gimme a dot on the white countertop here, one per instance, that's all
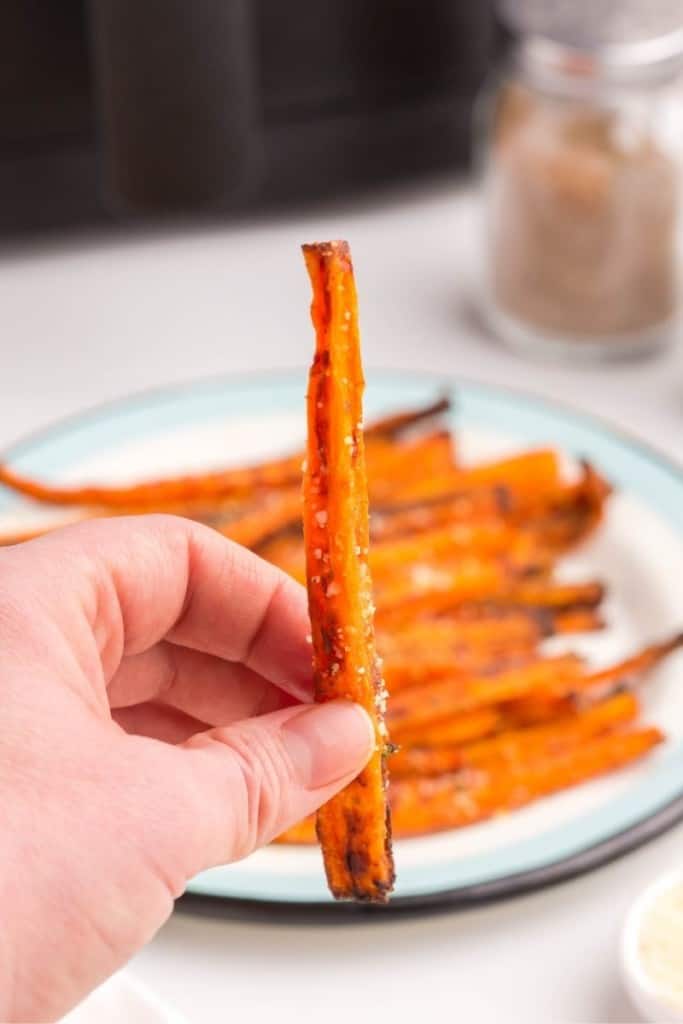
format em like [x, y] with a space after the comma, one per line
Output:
[96, 319]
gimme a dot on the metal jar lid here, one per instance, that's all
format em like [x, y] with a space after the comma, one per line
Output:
[613, 36]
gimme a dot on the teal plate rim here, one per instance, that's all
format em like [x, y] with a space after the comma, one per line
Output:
[563, 852]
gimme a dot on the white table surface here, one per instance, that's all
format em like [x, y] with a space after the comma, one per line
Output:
[95, 319]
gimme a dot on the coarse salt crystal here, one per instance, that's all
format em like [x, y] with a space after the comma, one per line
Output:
[321, 517]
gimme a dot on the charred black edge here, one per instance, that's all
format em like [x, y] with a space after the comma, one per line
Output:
[396, 424]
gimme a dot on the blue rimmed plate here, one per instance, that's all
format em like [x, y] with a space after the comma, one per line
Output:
[639, 552]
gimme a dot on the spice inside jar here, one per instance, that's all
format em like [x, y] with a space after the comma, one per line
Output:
[582, 189]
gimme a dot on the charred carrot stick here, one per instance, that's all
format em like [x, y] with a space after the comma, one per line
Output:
[269, 517]
[518, 746]
[280, 511]
[525, 476]
[490, 537]
[574, 620]
[162, 493]
[553, 595]
[631, 670]
[422, 705]
[428, 666]
[480, 627]
[394, 467]
[396, 424]
[561, 516]
[513, 627]
[287, 553]
[422, 805]
[202, 487]
[435, 588]
[354, 827]
[464, 727]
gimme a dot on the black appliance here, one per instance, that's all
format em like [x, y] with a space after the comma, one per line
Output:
[115, 109]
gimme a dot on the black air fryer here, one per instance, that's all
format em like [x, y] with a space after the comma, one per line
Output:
[140, 108]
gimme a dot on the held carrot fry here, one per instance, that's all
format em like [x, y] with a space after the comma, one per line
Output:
[353, 827]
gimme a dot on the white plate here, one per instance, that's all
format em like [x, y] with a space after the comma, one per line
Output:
[639, 552]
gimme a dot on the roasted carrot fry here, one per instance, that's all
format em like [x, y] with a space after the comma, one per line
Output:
[474, 627]
[519, 745]
[393, 468]
[552, 678]
[268, 518]
[428, 666]
[432, 589]
[199, 488]
[397, 424]
[553, 595]
[464, 727]
[595, 684]
[354, 827]
[525, 476]
[490, 537]
[422, 805]
[398, 518]
[202, 487]
[422, 705]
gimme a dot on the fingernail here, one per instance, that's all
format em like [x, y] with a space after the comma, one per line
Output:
[325, 742]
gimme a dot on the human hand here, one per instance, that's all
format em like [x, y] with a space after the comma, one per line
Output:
[152, 676]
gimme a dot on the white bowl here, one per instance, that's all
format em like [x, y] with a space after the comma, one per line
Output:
[646, 998]
[123, 997]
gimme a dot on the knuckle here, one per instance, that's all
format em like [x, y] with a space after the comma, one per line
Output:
[261, 797]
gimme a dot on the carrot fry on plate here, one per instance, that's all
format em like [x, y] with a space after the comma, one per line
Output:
[422, 805]
[520, 745]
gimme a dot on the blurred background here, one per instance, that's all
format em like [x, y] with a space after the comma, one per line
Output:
[502, 173]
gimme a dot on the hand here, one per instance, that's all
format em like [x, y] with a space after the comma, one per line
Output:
[152, 676]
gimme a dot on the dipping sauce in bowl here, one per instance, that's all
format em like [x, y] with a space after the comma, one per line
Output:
[652, 950]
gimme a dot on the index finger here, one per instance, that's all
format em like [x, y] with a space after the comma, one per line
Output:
[140, 579]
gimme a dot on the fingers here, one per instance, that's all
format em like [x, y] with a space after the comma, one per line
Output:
[158, 722]
[214, 691]
[135, 580]
[245, 784]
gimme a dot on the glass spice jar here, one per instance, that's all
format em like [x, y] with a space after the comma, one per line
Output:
[582, 171]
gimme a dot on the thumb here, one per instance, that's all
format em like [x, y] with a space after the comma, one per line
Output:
[252, 780]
